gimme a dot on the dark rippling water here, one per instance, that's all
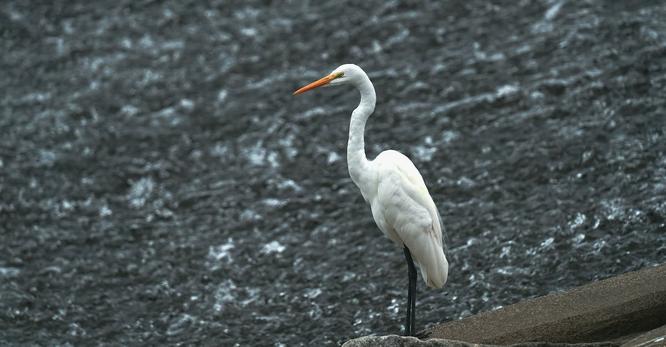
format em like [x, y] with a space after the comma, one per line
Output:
[160, 185]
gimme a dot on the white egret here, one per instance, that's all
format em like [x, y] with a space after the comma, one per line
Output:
[400, 203]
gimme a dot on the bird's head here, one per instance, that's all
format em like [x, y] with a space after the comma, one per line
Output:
[344, 74]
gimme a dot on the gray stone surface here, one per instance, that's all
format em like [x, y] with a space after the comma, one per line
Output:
[394, 340]
[404, 341]
[652, 338]
[628, 311]
[605, 310]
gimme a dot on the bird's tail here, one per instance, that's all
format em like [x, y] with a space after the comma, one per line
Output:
[430, 258]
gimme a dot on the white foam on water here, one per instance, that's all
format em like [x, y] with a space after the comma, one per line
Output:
[126, 43]
[222, 251]
[249, 32]
[546, 24]
[129, 110]
[578, 221]
[256, 154]
[289, 184]
[288, 143]
[552, 12]
[173, 45]
[394, 307]
[579, 238]
[140, 191]
[219, 150]
[74, 329]
[146, 41]
[36, 97]
[465, 182]
[181, 324]
[547, 242]
[449, 135]
[511, 271]
[483, 56]
[424, 153]
[187, 104]
[398, 37]
[273, 247]
[9, 271]
[252, 295]
[272, 202]
[273, 159]
[105, 211]
[613, 209]
[47, 157]
[224, 295]
[506, 252]
[507, 90]
[332, 157]
[312, 293]
[222, 95]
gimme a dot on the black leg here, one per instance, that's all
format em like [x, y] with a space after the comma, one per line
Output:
[410, 322]
[412, 283]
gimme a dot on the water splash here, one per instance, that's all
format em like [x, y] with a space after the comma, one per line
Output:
[547, 243]
[273, 247]
[224, 295]
[312, 293]
[507, 90]
[140, 192]
[181, 324]
[332, 157]
[105, 211]
[552, 12]
[222, 251]
[9, 272]
[425, 152]
[546, 24]
[579, 220]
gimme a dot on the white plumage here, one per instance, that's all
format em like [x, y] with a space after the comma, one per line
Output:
[399, 199]
[406, 214]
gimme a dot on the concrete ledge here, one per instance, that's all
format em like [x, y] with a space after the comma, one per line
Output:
[403, 341]
[653, 338]
[624, 311]
[618, 307]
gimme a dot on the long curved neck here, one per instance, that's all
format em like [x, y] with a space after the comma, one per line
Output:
[357, 162]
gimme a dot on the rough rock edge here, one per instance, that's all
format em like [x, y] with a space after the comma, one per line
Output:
[407, 341]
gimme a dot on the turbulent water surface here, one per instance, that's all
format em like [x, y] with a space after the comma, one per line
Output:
[160, 185]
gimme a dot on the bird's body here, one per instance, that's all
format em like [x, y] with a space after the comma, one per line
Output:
[404, 211]
[399, 199]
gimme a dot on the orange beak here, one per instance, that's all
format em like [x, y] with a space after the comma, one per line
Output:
[318, 83]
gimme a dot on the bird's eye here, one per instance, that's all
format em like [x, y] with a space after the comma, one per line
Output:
[339, 74]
